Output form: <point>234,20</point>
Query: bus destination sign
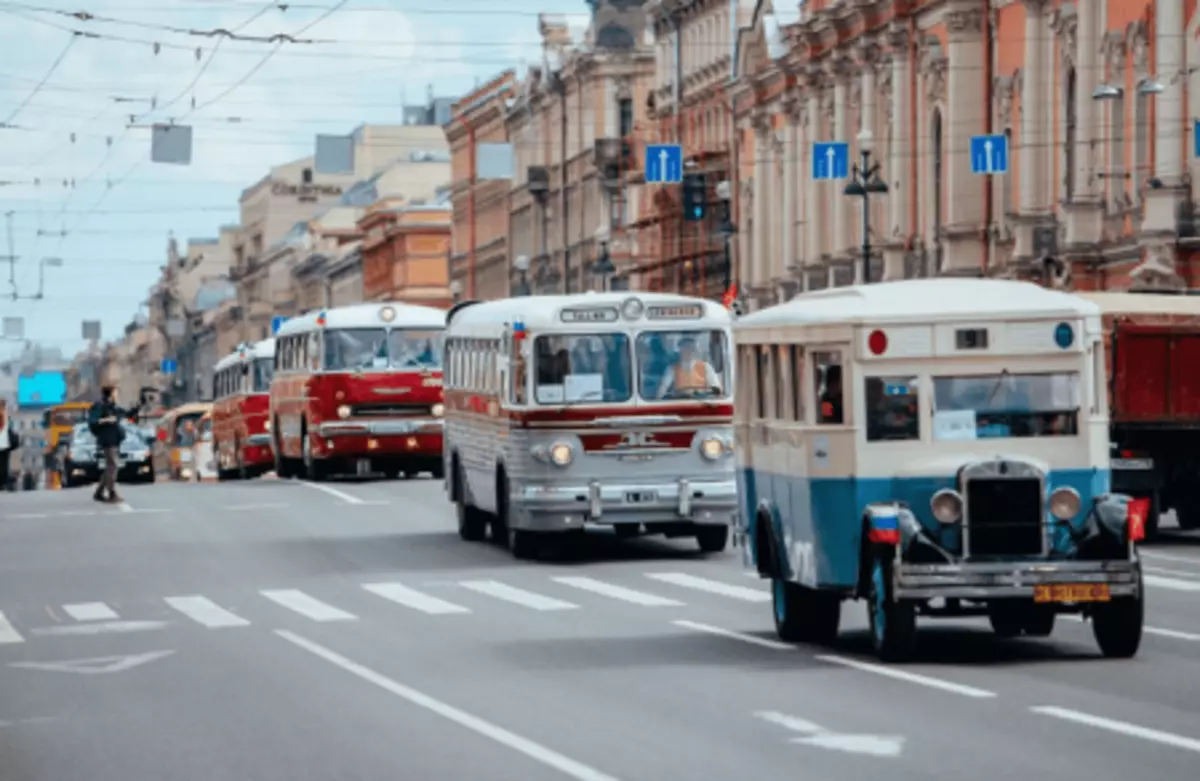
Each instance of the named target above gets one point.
<point>676,312</point>
<point>606,314</point>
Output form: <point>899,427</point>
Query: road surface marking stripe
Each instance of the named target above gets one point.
<point>711,586</point>
<point>408,597</point>
<point>90,611</point>
<point>262,506</point>
<point>1177,572</point>
<point>1195,562</point>
<point>29,515</point>
<point>205,611</point>
<point>1122,727</point>
<point>124,507</point>
<point>345,497</point>
<point>1152,630</point>
<point>900,675</point>
<point>494,588</point>
<point>294,599</point>
<point>774,645</point>
<point>793,723</point>
<point>8,634</point>
<point>535,751</point>
<point>617,592</point>
<point>101,628</point>
<point>1172,583</point>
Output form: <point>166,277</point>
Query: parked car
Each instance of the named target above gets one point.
<point>81,464</point>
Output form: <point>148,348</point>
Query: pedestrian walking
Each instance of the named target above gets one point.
<point>104,421</point>
<point>9,442</point>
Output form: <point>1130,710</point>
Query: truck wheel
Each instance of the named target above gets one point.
<point>1117,625</point>
<point>1039,622</point>
<point>893,623</point>
<point>804,615</point>
<point>1007,618</point>
<point>712,539</point>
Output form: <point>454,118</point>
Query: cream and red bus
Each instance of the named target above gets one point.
<point>609,409</point>
<point>241,406</point>
<point>358,389</point>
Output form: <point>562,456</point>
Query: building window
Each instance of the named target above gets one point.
<point>1069,135</point>
<point>1116,151</point>
<point>625,112</point>
<point>936,133</point>
<point>1141,144</point>
<point>306,176</point>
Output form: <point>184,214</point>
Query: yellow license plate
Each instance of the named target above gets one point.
<point>1072,592</point>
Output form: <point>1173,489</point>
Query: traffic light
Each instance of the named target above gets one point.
<point>695,197</point>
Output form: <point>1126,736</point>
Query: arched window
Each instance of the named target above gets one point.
<point>1069,135</point>
<point>935,133</point>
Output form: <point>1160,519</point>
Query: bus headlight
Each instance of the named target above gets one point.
<point>947,506</point>
<point>561,454</point>
<point>267,426</point>
<point>712,448</point>
<point>438,410</point>
<point>343,411</point>
<point>1064,503</point>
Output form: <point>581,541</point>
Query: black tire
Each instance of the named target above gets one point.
<point>472,524</point>
<point>804,615</point>
<point>1039,621</point>
<point>712,539</point>
<point>283,469</point>
<point>893,623</point>
<point>523,544</point>
<point>439,471</point>
<point>1153,517</point>
<point>1117,625</point>
<point>1007,618</point>
<point>393,473</point>
<point>315,469</point>
<point>499,522</point>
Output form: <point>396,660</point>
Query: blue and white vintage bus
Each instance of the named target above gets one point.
<point>936,447</point>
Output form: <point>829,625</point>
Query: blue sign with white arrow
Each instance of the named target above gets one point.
<point>830,160</point>
<point>276,323</point>
<point>664,163</point>
<point>1196,138</point>
<point>169,366</point>
<point>989,154</point>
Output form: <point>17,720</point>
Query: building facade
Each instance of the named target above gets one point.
<point>406,253</point>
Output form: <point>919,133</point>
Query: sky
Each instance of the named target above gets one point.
<point>76,180</point>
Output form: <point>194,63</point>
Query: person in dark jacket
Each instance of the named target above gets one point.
<point>104,421</point>
<point>9,442</point>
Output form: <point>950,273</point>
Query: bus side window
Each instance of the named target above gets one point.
<point>519,377</point>
<point>827,366</point>
<point>781,383</point>
<point>796,380</point>
<point>762,376</point>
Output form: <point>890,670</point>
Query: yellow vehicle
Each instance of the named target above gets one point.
<point>175,436</point>
<point>58,422</point>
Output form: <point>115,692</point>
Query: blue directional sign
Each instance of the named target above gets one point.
<point>664,163</point>
<point>830,160</point>
<point>169,366</point>
<point>989,154</point>
<point>276,322</point>
<point>1196,138</point>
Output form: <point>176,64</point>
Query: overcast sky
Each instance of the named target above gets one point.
<point>372,56</point>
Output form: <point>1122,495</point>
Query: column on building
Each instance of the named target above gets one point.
<point>791,183</point>
<point>812,235</point>
<point>841,132</point>
<point>868,59</point>
<point>1085,216</point>
<point>898,154</point>
<point>1033,164</point>
<point>967,106</point>
<point>762,159</point>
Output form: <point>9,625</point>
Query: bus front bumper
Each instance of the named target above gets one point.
<point>1000,580</point>
<point>380,428</point>
<point>380,439</point>
<point>703,501</point>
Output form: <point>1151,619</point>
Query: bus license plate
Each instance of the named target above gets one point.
<point>640,497</point>
<point>1072,592</point>
<point>1132,463</point>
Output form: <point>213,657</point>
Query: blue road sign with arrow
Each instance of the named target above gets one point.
<point>664,163</point>
<point>830,160</point>
<point>169,366</point>
<point>989,154</point>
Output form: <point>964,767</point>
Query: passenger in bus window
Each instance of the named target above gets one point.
<point>655,365</point>
<point>829,407</point>
<point>690,375</point>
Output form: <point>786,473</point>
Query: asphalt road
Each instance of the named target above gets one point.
<point>282,630</point>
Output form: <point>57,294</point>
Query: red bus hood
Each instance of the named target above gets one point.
<point>398,388</point>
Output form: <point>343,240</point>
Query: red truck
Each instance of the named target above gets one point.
<point>1153,376</point>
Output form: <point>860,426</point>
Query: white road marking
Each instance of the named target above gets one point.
<point>711,586</point>
<point>1174,584</point>
<point>29,515</point>
<point>97,666</point>
<point>294,599</point>
<point>793,723</point>
<point>535,751</point>
<point>8,634</point>
<point>1178,572</point>
<point>764,642</point>
<point>901,675</point>
<point>78,513</point>
<point>494,588</point>
<point>136,512</point>
<point>1145,554</point>
<point>124,507</point>
<point>204,611</point>
<point>90,611</point>
<point>345,497</point>
<point>403,595</point>
<point>1122,727</point>
<point>101,628</point>
<point>262,506</point>
<point>816,735</point>
<point>617,592</point>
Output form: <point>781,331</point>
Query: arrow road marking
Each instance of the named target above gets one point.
<point>95,666</point>
<point>819,737</point>
<point>100,628</point>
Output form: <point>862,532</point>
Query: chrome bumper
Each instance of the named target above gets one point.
<point>681,497</point>
<point>258,440</point>
<point>1009,579</point>
<point>380,428</point>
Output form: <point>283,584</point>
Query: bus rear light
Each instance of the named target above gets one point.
<point>1139,510</point>
<point>877,342</point>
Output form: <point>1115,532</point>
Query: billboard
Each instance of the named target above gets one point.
<point>41,389</point>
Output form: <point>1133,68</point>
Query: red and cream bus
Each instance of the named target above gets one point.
<point>609,409</point>
<point>359,389</point>
<point>241,406</point>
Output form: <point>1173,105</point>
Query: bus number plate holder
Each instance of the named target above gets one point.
<point>640,497</point>
<point>363,467</point>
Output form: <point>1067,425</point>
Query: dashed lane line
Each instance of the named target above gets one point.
<point>309,607</point>
<point>205,612</point>
<point>409,597</point>
<point>711,586</point>
<point>503,591</point>
<point>8,634</point>
<point>1120,727</point>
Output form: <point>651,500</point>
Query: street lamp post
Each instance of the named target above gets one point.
<point>521,264</point>
<point>727,229</point>
<point>865,182</point>
<point>603,266</point>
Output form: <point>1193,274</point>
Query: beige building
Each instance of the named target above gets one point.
<point>572,126</point>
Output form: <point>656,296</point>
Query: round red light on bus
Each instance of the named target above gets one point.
<point>877,342</point>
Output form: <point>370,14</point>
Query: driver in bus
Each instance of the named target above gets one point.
<point>690,374</point>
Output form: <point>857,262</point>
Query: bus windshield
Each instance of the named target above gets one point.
<point>682,364</point>
<point>1006,405</point>
<point>415,349</point>
<point>264,370</point>
<point>356,348</point>
<point>575,368</point>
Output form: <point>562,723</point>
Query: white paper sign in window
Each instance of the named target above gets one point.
<point>954,425</point>
<point>550,394</point>
<point>584,387</point>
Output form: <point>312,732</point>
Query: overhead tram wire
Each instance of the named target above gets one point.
<point>38,87</point>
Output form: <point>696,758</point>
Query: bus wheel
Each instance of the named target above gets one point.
<point>1117,625</point>
<point>712,539</point>
<point>472,524</point>
<point>804,615</point>
<point>522,543</point>
<point>314,468</point>
<point>239,461</point>
<point>893,623</point>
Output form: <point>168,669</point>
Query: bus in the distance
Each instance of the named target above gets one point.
<point>241,407</point>
<point>358,390</point>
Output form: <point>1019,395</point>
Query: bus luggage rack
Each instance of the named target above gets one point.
<point>1004,517</point>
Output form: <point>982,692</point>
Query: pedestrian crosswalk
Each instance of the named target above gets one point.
<point>547,594</point>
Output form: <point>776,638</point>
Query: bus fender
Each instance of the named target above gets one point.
<point>769,551</point>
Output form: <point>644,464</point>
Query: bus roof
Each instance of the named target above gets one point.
<point>365,316</point>
<point>538,312</point>
<point>924,301</point>
<point>262,349</point>
<point>1144,303</point>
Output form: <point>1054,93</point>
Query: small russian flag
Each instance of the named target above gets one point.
<point>518,329</point>
<point>885,529</point>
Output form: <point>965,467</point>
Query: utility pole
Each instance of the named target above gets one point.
<point>11,257</point>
